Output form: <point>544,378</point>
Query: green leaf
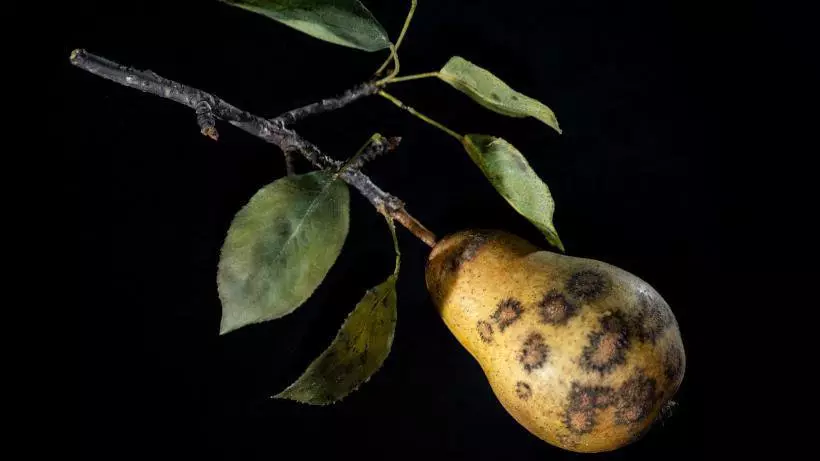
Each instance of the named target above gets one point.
<point>359,350</point>
<point>343,22</point>
<point>511,175</point>
<point>280,246</point>
<point>492,93</point>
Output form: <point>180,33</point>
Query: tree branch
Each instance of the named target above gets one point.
<point>327,105</point>
<point>273,131</point>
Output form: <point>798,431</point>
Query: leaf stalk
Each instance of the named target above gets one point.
<point>418,114</point>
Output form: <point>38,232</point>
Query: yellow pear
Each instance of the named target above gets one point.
<point>581,353</point>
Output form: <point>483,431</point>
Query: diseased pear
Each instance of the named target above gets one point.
<point>581,353</point>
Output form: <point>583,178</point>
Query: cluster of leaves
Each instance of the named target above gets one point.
<point>281,245</point>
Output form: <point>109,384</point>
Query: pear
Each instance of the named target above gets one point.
<point>581,353</point>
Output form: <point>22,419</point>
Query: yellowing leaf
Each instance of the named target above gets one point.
<point>357,352</point>
<point>492,93</point>
<point>343,22</point>
<point>511,175</point>
<point>280,246</point>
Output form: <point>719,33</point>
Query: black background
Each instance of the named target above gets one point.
<point>633,176</point>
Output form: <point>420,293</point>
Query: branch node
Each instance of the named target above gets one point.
<point>206,120</point>
<point>376,148</point>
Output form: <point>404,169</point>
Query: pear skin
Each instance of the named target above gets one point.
<point>581,353</point>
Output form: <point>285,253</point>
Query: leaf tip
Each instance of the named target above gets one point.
<point>286,394</point>
<point>225,329</point>
<point>552,238</point>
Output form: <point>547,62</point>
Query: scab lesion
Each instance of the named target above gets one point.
<point>590,397</point>
<point>533,353</point>
<point>579,421</point>
<point>555,309</point>
<point>607,346</point>
<point>673,363</point>
<point>637,397</point>
<point>588,285</point>
<point>652,317</point>
<point>466,251</point>
<point>507,312</point>
<point>523,390</point>
<point>584,403</point>
<point>485,331</point>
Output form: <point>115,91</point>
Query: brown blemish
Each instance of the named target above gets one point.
<point>523,390</point>
<point>636,399</point>
<point>605,399</point>
<point>588,285</point>
<point>555,309</point>
<point>589,397</point>
<point>652,318</point>
<point>508,311</point>
<point>466,251</point>
<point>584,403</point>
<point>534,352</point>
<point>580,421</point>
<point>673,363</point>
<point>606,350</point>
<point>447,258</point>
<point>567,442</point>
<point>607,347</point>
<point>485,331</point>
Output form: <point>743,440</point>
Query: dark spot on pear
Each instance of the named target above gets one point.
<point>637,397</point>
<point>533,353</point>
<point>495,97</point>
<point>508,311</point>
<point>590,397</point>
<point>466,251</point>
<point>485,331</point>
<point>607,346</point>
<point>523,390</point>
<point>673,363</point>
<point>555,309</point>
<point>580,421</point>
<point>651,319</point>
<point>588,285</point>
<point>584,403</point>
